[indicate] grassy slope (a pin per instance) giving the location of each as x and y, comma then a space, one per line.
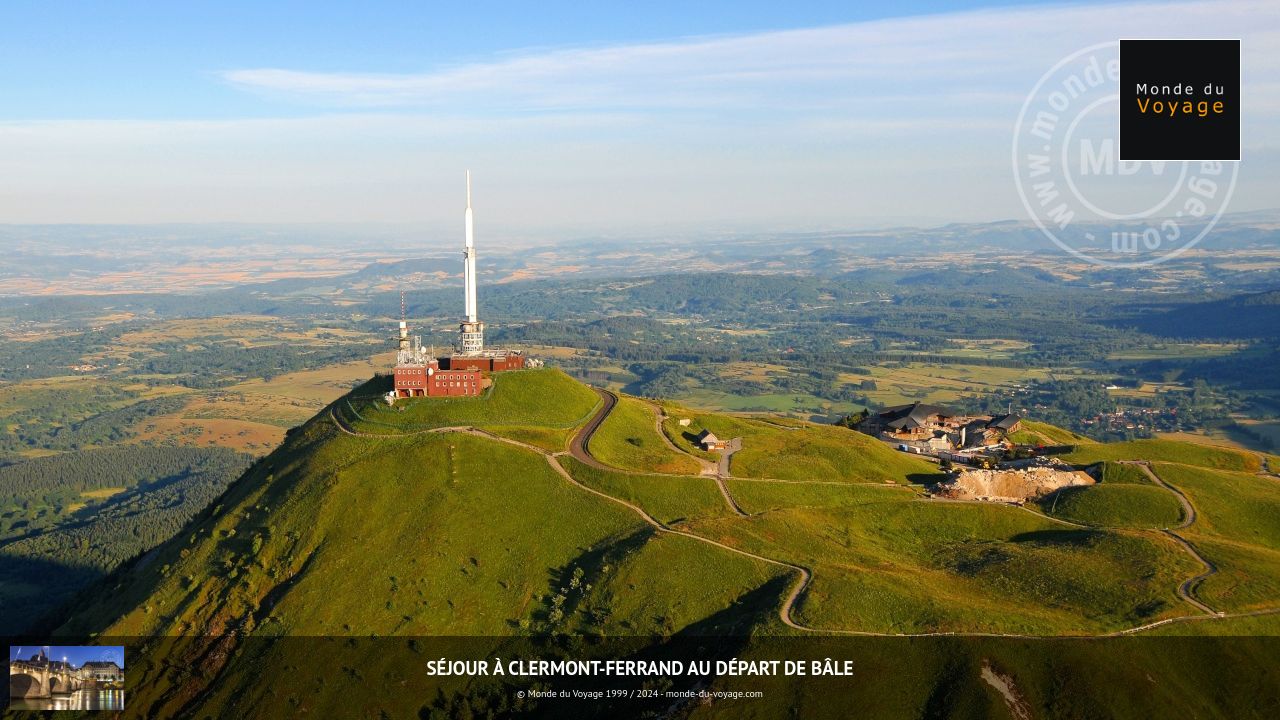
1238, 529
1260, 625
1166, 451
883, 560
412, 560
1033, 433
1114, 473
549, 439
808, 452
543, 398
879, 554
1116, 505
757, 496
628, 439
338, 535
668, 499
356, 536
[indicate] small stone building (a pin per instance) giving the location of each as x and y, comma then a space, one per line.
707, 440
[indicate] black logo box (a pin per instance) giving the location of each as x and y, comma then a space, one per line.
1205, 73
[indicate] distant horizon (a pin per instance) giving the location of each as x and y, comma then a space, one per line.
409, 224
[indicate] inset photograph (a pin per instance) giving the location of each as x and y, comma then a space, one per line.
66, 677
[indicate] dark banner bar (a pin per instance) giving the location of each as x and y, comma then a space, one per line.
429, 677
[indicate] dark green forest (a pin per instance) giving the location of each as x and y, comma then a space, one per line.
54, 540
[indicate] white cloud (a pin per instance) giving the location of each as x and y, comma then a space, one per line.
838, 126
962, 55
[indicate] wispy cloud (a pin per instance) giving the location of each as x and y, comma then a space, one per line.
954, 57
903, 119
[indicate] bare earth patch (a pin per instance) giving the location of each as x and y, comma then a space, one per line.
1012, 486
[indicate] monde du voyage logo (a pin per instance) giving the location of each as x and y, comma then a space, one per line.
1124, 152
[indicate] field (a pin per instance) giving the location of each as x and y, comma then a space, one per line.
1146, 390
1115, 473
899, 383
986, 348
670, 500
320, 386
252, 415
1037, 433
627, 440
475, 537
801, 403
1118, 505
1167, 451
801, 452
980, 567
756, 496
1176, 350
243, 435
1238, 529
227, 400
101, 493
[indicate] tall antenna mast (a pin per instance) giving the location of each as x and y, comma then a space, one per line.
403, 340
471, 330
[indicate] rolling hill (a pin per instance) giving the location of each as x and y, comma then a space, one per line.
547, 519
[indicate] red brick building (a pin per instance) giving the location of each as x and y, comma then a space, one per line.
428, 380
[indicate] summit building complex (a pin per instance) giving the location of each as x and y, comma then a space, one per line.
419, 373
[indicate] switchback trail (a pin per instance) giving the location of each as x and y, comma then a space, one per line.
804, 575
1188, 586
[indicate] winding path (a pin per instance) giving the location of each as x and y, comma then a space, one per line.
578, 445
579, 449
1186, 590
705, 466
722, 472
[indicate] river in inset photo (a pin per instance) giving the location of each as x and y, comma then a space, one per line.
77, 700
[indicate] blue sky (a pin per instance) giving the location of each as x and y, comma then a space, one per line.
147, 60
575, 118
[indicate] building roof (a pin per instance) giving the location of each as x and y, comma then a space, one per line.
907, 417
706, 436
1004, 422
101, 664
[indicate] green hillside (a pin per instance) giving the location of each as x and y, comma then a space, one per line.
543, 398
627, 440
800, 451
1038, 433
1118, 505
375, 523
1168, 451
378, 535
668, 499
1115, 473
1237, 529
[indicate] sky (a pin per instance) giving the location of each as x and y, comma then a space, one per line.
77, 655
574, 118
